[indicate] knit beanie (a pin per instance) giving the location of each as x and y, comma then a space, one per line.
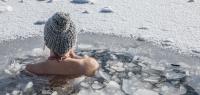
59, 33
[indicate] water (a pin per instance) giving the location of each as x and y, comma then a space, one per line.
128, 67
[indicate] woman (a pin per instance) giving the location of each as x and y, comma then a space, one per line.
60, 38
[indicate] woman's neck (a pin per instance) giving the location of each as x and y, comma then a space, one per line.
54, 56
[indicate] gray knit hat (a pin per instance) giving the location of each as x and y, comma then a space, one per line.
59, 33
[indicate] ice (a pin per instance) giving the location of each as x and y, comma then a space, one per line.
130, 74
113, 88
146, 92
135, 58
84, 84
28, 86
174, 75
37, 52
115, 78
16, 92
169, 90
158, 67
128, 87
54, 93
113, 84
5, 8
182, 90
81, 1
86, 92
4, 0
78, 80
118, 67
196, 50
166, 43
96, 85
85, 46
103, 75
183, 65
14, 68
107, 10
153, 79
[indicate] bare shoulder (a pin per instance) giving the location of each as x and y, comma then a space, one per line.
91, 66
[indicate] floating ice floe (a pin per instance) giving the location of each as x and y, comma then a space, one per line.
152, 79
5, 8
128, 87
171, 90
103, 75
159, 67
119, 66
54, 93
85, 84
106, 10
96, 85
28, 87
14, 69
174, 75
16, 92
37, 52
146, 92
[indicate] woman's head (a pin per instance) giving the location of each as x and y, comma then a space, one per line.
59, 33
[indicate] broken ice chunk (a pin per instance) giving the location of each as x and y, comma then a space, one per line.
54, 93
113, 88
159, 67
103, 75
113, 84
174, 75
37, 52
118, 67
13, 68
16, 92
84, 84
146, 92
152, 79
168, 89
28, 87
106, 10
127, 86
96, 85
